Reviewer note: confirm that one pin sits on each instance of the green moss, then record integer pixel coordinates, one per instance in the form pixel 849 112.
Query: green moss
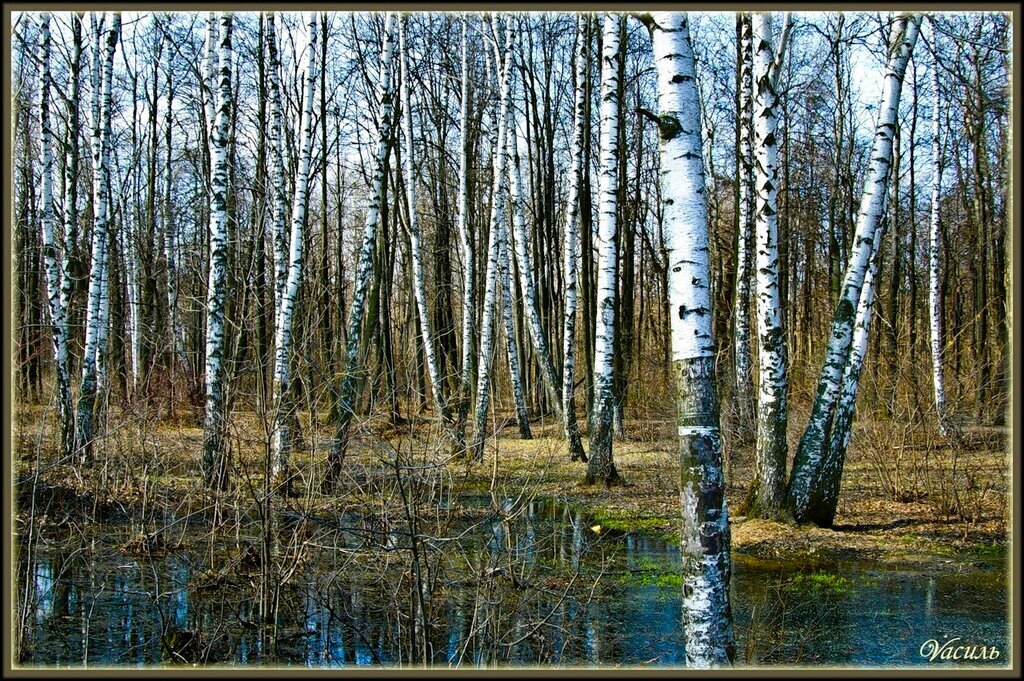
pixel 821 582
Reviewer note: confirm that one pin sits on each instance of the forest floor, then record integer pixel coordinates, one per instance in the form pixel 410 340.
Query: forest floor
pixel 909 499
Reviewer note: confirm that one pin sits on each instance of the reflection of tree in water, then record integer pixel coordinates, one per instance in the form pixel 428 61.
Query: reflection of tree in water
pixel 789 622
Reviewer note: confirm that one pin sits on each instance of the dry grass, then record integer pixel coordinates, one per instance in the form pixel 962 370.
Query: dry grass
pixel 144 464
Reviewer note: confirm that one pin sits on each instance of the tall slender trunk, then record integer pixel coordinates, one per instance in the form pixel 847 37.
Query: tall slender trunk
pixel 814 443
pixel 466 241
pixel 571 251
pixel 364 267
pixel 525 265
pixel 282 443
pixel 176 331
pixel 767 494
pixel 96 312
pixel 215 423
pixel 601 465
pixel 437 383
pixel 277 134
pixel 825 495
pixel 934 233
pixel 744 229
pixel 492 279
pixel 53 258
pixel 507 284
pixel 707 615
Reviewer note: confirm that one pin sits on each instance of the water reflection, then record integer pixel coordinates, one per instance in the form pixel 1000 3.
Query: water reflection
pixel 529 586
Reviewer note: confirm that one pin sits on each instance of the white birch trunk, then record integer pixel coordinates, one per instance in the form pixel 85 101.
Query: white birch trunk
pixel 97 306
pixel 71 180
pixel 826 490
pixel 53 259
pixel 601 465
pixel 364 267
pixel 511 350
pixel 281 445
pixel 934 234
pixel 571 253
pixel 745 228
pixel 468 253
pixel 277 167
pixel 214 447
pixel 492 280
pixel 707 617
pixel 767 494
pixel 807 463
pixel 415 248
pixel 526 281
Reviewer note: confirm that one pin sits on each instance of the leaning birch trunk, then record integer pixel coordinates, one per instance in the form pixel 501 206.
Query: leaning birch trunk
pixel 415 251
pixel 767 493
pixel 525 264
pixel 601 466
pixel 825 495
pixel 809 456
pixel 214 427
pixel 364 268
pixel 572 251
pixel 934 310
pixel 468 253
pixel 95 309
pixel 280 202
pixel 744 230
pixel 282 435
pixel 511 350
pixel 492 280
pixel 707 616
pixel 54 261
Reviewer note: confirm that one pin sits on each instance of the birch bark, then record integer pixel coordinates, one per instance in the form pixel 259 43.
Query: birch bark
pixel 601 465
pixel 492 279
pixel 707 616
pixel 364 268
pixel 53 258
pixel 813 444
pixel 572 250
pixel 282 436
pixel 214 427
pixel 97 306
pixel 744 232
pixel 767 494
pixel 934 307
pixel 415 247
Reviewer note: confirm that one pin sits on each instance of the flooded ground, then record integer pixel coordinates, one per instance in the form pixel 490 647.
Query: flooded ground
pixel 520 583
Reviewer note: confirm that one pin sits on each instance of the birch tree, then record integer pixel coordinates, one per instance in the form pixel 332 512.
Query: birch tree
pixel 214 426
pixel 934 291
pixel 707 617
pixel 813 445
pixel 466 242
pixel 437 384
pixel 277 134
pixel 492 279
pixel 826 492
pixel 508 318
pixel 767 494
pixel 525 265
pixel 71 159
pixel 286 309
pixel 744 229
pixel 571 252
pixel 601 465
pixel 98 303
pixel 53 258
pixel 364 268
